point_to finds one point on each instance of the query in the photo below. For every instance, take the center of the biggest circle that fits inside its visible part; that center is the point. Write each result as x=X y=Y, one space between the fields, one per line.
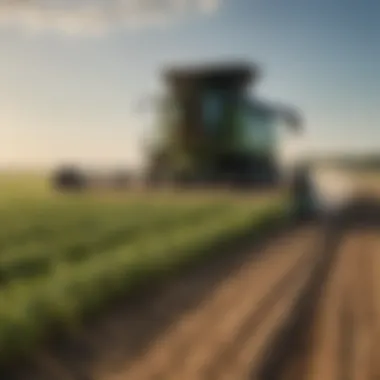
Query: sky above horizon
x=73 y=71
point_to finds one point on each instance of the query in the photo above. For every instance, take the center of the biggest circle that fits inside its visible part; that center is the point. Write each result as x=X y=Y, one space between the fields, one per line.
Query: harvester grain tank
x=214 y=132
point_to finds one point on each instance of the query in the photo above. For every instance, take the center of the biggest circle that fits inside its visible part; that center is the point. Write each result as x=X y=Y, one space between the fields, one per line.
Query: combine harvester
x=213 y=133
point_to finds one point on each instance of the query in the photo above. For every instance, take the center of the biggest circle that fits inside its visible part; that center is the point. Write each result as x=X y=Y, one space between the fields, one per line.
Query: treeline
x=350 y=161
x=74 y=178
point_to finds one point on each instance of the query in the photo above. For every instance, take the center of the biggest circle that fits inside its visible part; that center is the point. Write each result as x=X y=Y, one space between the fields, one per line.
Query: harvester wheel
x=303 y=195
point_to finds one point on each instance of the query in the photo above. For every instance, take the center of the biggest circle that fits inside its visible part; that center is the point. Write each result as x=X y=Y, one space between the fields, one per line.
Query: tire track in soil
x=202 y=336
x=288 y=357
x=375 y=361
x=360 y=293
x=341 y=344
x=341 y=339
x=233 y=355
x=259 y=332
x=333 y=350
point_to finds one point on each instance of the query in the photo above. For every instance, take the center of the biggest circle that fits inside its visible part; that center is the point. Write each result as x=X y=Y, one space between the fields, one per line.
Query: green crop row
x=35 y=259
x=31 y=309
x=25 y=224
x=84 y=227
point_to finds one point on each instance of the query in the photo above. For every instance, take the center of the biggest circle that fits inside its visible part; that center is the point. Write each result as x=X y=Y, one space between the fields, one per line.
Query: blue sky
x=71 y=75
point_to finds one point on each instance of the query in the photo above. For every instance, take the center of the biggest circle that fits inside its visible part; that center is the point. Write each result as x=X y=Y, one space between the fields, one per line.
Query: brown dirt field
x=341 y=340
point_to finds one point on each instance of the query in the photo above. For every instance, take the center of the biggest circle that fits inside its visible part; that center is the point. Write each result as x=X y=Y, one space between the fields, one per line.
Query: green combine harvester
x=212 y=132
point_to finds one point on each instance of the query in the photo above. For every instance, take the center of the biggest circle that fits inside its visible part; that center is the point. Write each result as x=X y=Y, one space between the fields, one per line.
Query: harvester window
x=212 y=111
x=258 y=129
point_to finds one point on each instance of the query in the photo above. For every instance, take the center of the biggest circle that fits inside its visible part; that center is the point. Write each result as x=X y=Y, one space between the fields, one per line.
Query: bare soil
x=341 y=340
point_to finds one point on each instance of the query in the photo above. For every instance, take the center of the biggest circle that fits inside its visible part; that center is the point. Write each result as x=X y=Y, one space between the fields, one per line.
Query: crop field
x=303 y=303
x=66 y=257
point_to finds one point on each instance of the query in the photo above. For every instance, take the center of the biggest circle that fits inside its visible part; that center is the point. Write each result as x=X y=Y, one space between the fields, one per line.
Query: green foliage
x=63 y=259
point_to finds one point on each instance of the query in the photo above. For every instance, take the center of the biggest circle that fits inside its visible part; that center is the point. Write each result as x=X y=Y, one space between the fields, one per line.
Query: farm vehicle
x=211 y=132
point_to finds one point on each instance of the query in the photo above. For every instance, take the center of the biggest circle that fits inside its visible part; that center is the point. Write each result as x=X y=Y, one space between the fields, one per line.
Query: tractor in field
x=213 y=133
x=69 y=178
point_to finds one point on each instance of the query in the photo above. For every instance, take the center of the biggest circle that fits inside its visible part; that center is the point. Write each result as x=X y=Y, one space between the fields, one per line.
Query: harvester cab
x=213 y=132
